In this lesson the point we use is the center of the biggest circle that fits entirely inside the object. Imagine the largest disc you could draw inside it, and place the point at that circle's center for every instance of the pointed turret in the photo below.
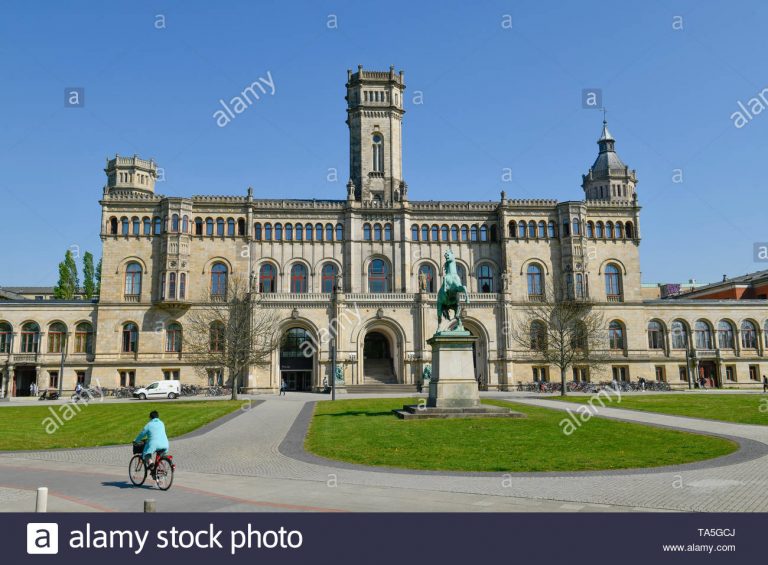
(608, 177)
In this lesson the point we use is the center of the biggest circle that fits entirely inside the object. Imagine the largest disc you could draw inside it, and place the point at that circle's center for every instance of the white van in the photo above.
(159, 389)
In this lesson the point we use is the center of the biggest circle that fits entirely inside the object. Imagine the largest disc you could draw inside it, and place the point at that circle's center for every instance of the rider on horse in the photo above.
(448, 297)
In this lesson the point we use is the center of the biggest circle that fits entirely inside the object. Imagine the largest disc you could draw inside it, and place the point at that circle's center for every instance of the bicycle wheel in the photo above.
(137, 471)
(164, 474)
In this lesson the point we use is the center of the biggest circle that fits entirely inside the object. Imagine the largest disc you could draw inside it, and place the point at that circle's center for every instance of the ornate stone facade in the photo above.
(364, 270)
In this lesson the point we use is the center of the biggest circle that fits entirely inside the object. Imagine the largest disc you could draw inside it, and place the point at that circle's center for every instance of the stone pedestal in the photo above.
(453, 383)
(453, 390)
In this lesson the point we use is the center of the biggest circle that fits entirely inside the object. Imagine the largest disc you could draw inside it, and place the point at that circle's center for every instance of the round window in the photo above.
(377, 138)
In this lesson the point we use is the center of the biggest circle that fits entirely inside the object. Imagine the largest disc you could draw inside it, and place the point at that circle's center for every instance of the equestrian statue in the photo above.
(448, 297)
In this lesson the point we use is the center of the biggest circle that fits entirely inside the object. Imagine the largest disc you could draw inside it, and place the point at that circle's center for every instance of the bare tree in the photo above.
(562, 331)
(232, 332)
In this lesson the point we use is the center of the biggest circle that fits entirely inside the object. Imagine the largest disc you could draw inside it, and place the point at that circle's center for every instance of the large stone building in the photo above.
(364, 269)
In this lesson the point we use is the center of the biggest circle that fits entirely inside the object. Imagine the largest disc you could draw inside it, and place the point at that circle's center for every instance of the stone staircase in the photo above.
(379, 379)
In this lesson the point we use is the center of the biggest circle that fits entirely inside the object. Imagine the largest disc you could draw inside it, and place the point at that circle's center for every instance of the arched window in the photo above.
(494, 233)
(185, 224)
(278, 232)
(125, 226)
(378, 152)
(462, 272)
(414, 233)
(308, 232)
(209, 226)
(199, 226)
(485, 278)
(30, 337)
(172, 286)
(257, 231)
(173, 338)
(84, 338)
(298, 278)
(130, 338)
(613, 290)
(231, 227)
(318, 232)
(703, 333)
(531, 229)
(328, 232)
(655, 335)
(425, 233)
(464, 233)
(377, 232)
(473, 233)
(268, 232)
(444, 233)
(6, 333)
(220, 226)
(299, 232)
(576, 227)
(217, 337)
(483, 233)
(748, 335)
(267, 278)
(590, 229)
(219, 280)
(679, 335)
(619, 230)
(135, 226)
(435, 233)
(725, 335)
(378, 276)
(552, 230)
(566, 228)
(328, 277)
(57, 334)
(132, 279)
(534, 274)
(113, 226)
(615, 335)
(599, 230)
(182, 286)
(538, 336)
(288, 232)
(240, 226)
(158, 226)
(609, 230)
(367, 232)
(512, 226)
(542, 233)
(426, 274)
(339, 232)
(630, 230)
(175, 223)
(454, 233)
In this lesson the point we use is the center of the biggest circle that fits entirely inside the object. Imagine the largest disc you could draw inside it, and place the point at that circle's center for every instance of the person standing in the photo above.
(283, 387)
(33, 389)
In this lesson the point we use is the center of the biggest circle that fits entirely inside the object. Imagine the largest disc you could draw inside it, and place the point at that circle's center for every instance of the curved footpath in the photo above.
(255, 462)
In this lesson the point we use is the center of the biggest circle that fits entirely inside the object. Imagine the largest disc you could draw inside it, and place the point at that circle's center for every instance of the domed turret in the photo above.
(608, 177)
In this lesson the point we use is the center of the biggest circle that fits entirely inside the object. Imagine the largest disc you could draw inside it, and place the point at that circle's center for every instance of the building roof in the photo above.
(748, 280)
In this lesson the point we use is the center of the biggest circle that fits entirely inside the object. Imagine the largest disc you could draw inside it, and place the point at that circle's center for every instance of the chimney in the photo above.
(725, 278)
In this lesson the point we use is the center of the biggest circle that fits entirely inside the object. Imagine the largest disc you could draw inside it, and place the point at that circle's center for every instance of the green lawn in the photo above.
(739, 408)
(365, 431)
(24, 427)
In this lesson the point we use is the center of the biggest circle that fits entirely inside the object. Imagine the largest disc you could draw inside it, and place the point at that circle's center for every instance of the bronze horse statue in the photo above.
(448, 297)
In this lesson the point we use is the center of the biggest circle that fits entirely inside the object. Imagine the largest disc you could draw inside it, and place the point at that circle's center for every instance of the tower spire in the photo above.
(608, 177)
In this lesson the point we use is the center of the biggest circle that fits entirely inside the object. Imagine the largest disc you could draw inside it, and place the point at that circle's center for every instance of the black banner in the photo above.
(647, 538)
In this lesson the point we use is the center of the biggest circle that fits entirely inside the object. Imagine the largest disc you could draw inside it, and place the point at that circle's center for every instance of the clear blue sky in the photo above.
(493, 98)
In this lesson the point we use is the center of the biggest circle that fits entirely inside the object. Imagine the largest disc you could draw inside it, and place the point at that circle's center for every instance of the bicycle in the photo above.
(162, 472)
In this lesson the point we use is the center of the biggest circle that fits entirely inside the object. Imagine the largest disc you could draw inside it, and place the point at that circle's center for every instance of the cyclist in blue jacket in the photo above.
(156, 439)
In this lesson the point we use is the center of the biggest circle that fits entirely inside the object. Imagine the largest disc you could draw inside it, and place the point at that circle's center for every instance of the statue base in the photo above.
(453, 390)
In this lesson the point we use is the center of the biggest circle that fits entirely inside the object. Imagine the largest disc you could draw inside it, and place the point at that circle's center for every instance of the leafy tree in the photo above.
(98, 278)
(68, 283)
(89, 283)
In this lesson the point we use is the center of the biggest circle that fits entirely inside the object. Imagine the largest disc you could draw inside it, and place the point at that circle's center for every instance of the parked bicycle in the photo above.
(162, 473)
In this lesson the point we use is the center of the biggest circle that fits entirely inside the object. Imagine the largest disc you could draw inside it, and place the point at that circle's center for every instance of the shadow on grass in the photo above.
(357, 413)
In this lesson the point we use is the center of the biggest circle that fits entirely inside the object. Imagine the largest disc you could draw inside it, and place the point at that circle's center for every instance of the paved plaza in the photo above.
(254, 461)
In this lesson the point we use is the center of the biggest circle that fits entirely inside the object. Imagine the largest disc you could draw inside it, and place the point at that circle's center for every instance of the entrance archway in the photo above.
(479, 352)
(708, 370)
(297, 359)
(23, 377)
(378, 362)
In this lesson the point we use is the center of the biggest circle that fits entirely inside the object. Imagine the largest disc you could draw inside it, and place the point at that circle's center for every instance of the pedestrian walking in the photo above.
(283, 387)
